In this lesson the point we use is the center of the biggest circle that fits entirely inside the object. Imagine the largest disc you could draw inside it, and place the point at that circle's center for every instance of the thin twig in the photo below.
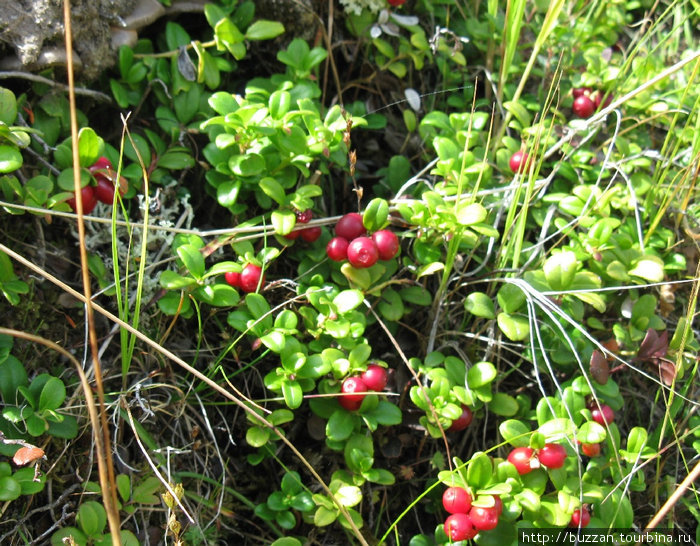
(102, 97)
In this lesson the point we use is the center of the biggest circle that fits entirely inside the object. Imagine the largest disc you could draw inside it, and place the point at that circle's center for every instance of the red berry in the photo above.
(456, 500)
(251, 276)
(603, 415)
(459, 527)
(552, 455)
(304, 217)
(311, 234)
(375, 378)
(580, 518)
(362, 252)
(519, 162)
(462, 421)
(498, 504)
(104, 191)
(89, 200)
(354, 390)
(233, 278)
(590, 450)
(521, 458)
(580, 92)
(387, 243)
(350, 226)
(337, 249)
(483, 519)
(396, 3)
(101, 164)
(292, 235)
(583, 107)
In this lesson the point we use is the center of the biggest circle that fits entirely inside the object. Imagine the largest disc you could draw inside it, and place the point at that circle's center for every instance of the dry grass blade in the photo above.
(101, 429)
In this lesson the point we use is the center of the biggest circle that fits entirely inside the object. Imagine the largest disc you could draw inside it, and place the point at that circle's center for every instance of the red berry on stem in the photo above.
(590, 450)
(89, 200)
(311, 234)
(362, 252)
(552, 455)
(233, 278)
(483, 519)
(251, 276)
(580, 518)
(353, 390)
(101, 164)
(104, 191)
(387, 243)
(603, 415)
(456, 500)
(521, 458)
(350, 226)
(375, 378)
(580, 91)
(303, 217)
(519, 162)
(337, 249)
(396, 3)
(292, 235)
(498, 504)
(462, 421)
(459, 527)
(583, 107)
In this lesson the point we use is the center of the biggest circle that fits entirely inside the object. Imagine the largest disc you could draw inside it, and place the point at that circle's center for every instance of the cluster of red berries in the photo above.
(526, 459)
(309, 234)
(355, 387)
(352, 244)
(248, 279)
(103, 190)
(465, 520)
(587, 101)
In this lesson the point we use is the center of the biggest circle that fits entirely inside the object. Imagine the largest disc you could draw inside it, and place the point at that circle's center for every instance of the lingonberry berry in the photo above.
(350, 226)
(362, 252)
(251, 277)
(387, 243)
(337, 249)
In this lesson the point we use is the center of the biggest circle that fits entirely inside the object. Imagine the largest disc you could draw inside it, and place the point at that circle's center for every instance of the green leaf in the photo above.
(274, 341)
(359, 277)
(376, 214)
(473, 213)
(293, 395)
(52, 395)
(257, 305)
(510, 298)
(12, 376)
(637, 440)
(219, 295)
(283, 221)
(227, 193)
(227, 36)
(324, 516)
(193, 260)
(515, 328)
(264, 30)
(124, 487)
(90, 146)
(430, 269)
(503, 404)
(8, 106)
(91, 518)
(385, 413)
(348, 300)
(649, 268)
(480, 374)
(10, 159)
(515, 432)
(279, 103)
(173, 281)
(176, 160)
(480, 305)
(257, 436)
(560, 270)
(340, 425)
(273, 190)
(591, 433)
(479, 471)
(9, 489)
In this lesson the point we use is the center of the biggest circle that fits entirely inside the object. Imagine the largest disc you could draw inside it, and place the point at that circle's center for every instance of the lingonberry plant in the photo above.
(498, 337)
